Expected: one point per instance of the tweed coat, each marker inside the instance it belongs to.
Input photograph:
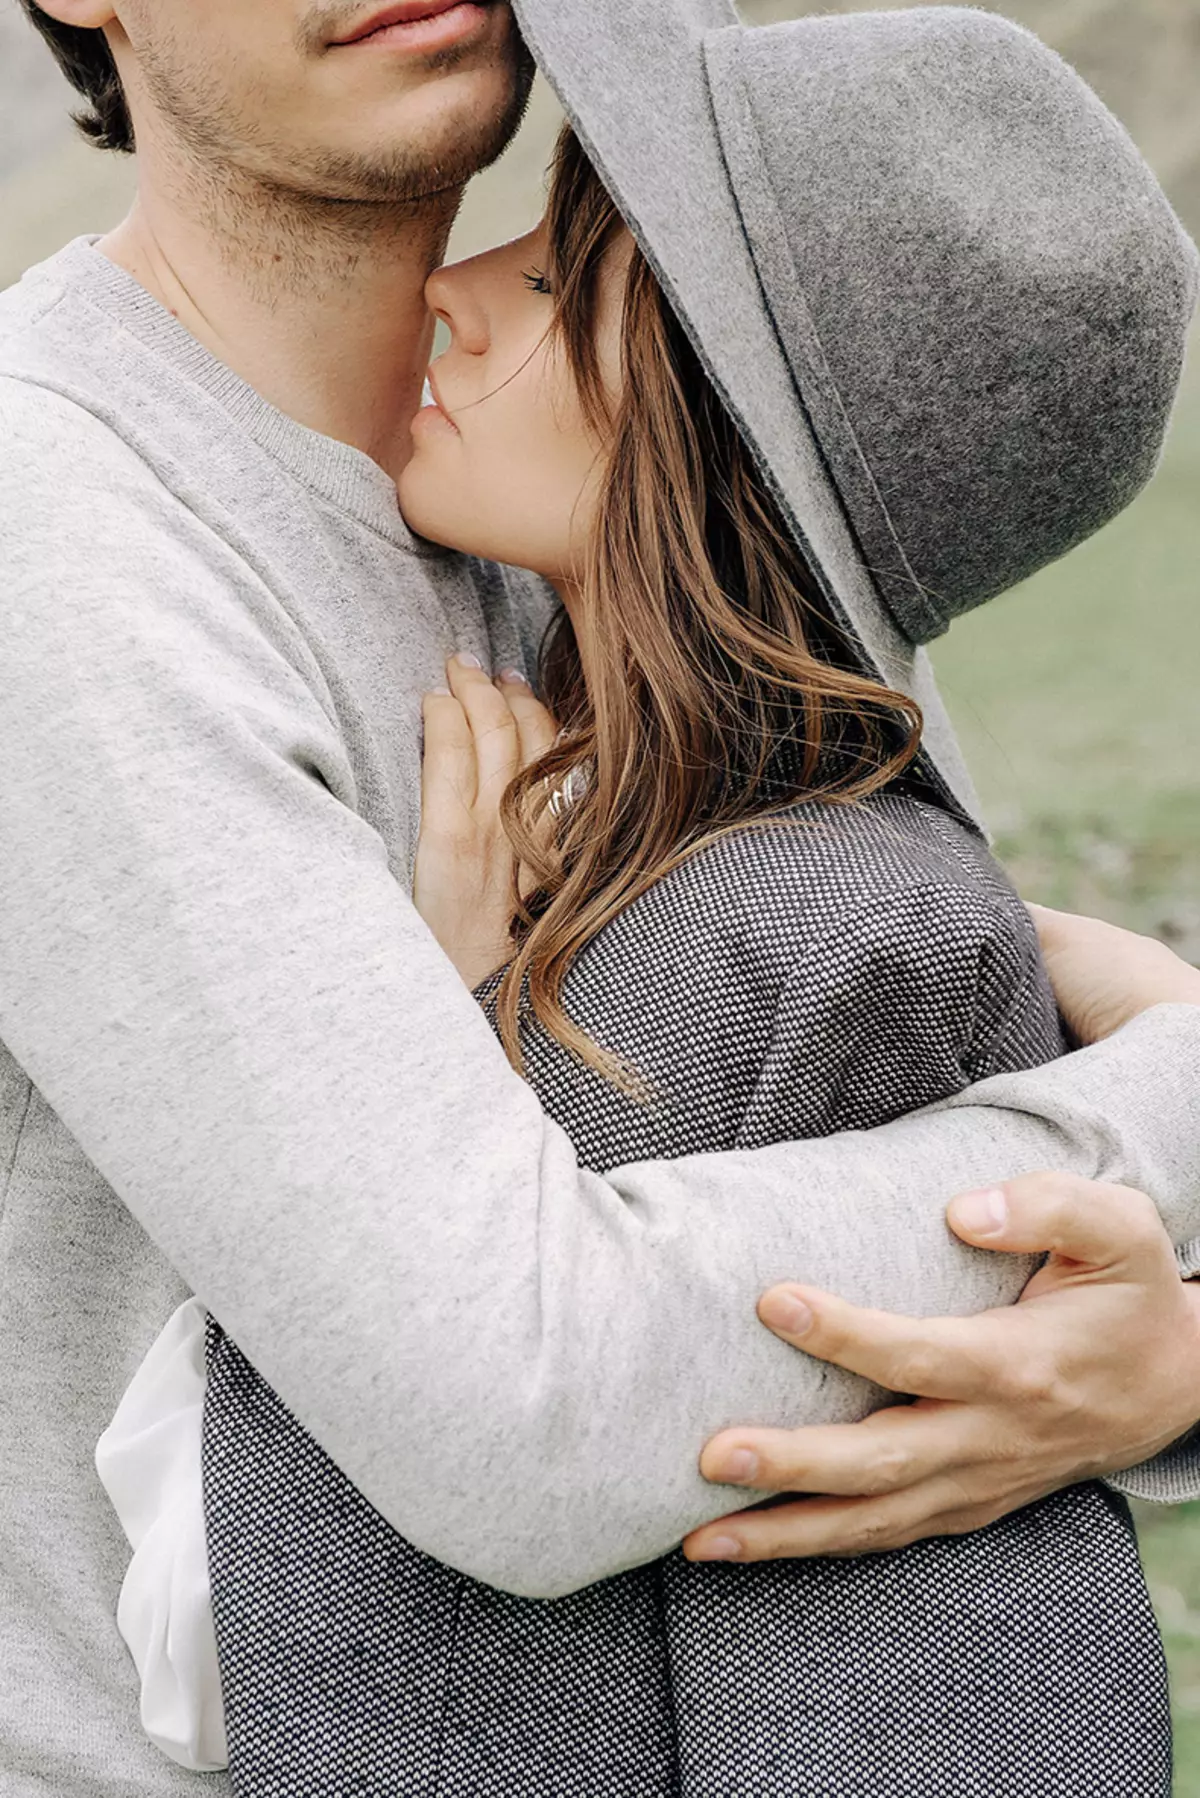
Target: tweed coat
(825, 972)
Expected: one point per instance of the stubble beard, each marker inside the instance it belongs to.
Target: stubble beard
(279, 205)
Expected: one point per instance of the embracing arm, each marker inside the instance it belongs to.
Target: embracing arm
(210, 972)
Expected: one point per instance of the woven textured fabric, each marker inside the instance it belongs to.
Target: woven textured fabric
(824, 973)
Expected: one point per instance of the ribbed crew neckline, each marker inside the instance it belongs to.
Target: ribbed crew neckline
(335, 471)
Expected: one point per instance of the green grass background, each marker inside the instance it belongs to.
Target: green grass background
(1171, 1552)
(1076, 697)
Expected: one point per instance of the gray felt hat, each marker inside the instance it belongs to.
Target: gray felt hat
(930, 275)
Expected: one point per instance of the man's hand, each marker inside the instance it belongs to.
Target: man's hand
(1103, 976)
(1095, 1370)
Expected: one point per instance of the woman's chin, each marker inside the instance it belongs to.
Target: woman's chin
(468, 528)
(428, 533)
(429, 522)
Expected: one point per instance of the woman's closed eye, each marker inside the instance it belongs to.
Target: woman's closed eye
(537, 281)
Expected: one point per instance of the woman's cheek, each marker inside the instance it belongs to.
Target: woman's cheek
(530, 506)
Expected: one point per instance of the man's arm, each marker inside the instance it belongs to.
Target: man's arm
(1095, 1370)
(210, 972)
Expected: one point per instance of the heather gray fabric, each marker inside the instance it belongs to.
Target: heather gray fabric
(932, 278)
(235, 1062)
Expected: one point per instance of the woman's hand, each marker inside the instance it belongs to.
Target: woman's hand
(478, 737)
(1103, 977)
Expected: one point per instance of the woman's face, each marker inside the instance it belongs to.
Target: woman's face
(505, 466)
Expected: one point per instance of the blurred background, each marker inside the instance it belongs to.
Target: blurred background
(1076, 695)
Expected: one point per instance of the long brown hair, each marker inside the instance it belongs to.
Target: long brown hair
(718, 689)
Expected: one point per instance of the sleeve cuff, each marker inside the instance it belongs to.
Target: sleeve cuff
(1172, 1478)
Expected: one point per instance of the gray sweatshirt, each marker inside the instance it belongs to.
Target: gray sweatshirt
(236, 1063)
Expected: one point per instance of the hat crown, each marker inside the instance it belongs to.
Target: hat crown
(980, 288)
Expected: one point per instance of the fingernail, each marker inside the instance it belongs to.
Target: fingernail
(982, 1213)
(739, 1468)
(440, 693)
(784, 1311)
(467, 660)
(720, 1548)
(514, 674)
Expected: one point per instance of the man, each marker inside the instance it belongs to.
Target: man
(234, 1061)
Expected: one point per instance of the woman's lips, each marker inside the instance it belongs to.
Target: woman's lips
(418, 26)
(435, 414)
(433, 418)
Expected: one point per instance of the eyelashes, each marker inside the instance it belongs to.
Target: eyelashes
(536, 281)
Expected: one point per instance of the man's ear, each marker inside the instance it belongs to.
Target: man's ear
(86, 15)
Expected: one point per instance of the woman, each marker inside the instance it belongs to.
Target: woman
(716, 895)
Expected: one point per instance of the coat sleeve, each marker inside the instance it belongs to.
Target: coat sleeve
(210, 972)
(912, 998)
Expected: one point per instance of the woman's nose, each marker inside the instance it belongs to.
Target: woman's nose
(450, 296)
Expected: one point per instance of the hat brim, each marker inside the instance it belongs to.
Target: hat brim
(633, 81)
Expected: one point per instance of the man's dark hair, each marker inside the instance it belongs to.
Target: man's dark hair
(85, 59)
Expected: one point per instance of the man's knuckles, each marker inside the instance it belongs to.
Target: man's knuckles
(815, 1528)
(878, 1469)
(1065, 1214)
(1047, 1202)
(916, 1367)
(1130, 1220)
(1037, 1383)
(869, 1535)
(889, 1467)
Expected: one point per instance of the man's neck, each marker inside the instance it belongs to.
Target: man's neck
(317, 306)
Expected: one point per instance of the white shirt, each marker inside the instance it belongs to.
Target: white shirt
(148, 1460)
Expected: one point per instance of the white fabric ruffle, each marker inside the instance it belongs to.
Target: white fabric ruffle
(148, 1460)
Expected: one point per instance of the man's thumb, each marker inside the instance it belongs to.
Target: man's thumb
(1110, 1228)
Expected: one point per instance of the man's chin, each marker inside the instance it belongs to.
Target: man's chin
(435, 138)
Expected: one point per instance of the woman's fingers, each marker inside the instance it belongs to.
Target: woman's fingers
(448, 772)
(508, 725)
(1104, 976)
(493, 727)
(536, 727)
(463, 877)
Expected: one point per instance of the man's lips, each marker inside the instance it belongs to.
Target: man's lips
(405, 12)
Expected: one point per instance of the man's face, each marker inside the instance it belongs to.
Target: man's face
(343, 101)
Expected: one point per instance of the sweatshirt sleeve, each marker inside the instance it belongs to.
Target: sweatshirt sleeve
(210, 972)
